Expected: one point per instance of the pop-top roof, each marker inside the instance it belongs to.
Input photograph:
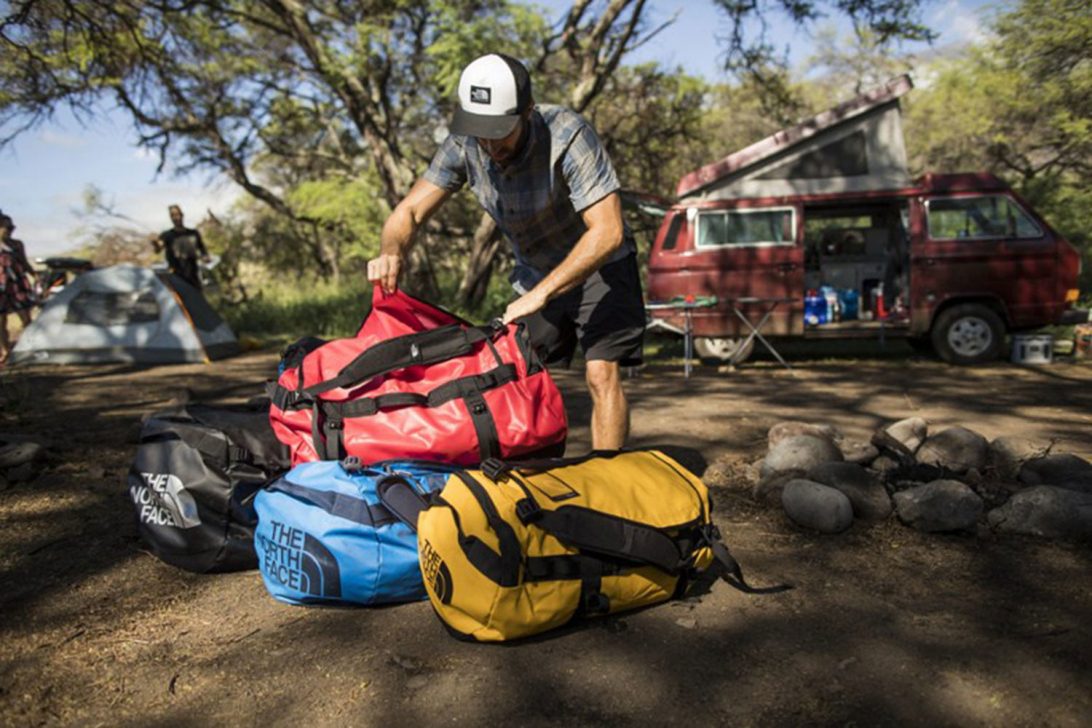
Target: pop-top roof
(868, 123)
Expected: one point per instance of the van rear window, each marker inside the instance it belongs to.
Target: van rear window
(988, 216)
(672, 237)
(740, 228)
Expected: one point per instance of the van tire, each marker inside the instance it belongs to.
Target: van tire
(968, 333)
(722, 350)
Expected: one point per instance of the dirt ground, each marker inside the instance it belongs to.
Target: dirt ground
(886, 626)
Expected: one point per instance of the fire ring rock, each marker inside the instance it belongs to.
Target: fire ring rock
(943, 505)
(863, 488)
(1046, 511)
(957, 449)
(1009, 452)
(1054, 469)
(816, 506)
(800, 452)
(911, 432)
(785, 430)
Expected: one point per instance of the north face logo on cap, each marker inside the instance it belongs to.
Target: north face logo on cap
(481, 95)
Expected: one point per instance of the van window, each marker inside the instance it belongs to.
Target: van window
(672, 237)
(985, 217)
(745, 228)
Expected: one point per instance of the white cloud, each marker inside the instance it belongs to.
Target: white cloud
(59, 139)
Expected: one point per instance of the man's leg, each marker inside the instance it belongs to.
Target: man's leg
(610, 411)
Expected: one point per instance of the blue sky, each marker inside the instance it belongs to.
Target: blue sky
(48, 168)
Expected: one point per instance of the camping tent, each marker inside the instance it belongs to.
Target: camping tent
(127, 314)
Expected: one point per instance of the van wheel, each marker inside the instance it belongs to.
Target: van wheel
(715, 350)
(968, 334)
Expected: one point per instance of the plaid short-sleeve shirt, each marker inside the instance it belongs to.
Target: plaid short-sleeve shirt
(536, 200)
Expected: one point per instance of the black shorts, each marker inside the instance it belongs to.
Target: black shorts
(606, 315)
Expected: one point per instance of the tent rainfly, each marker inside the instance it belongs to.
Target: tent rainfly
(125, 314)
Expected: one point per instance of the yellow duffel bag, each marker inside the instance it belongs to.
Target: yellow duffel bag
(515, 549)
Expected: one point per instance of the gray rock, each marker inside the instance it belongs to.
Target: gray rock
(883, 464)
(801, 452)
(957, 449)
(863, 488)
(1079, 483)
(862, 453)
(1046, 511)
(816, 506)
(911, 432)
(785, 430)
(768, 490)
(1008, 453)
(17, 453)
(1054, 469)
(943, 505)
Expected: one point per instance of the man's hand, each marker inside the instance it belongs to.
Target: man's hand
(384, 270)
(527, 304)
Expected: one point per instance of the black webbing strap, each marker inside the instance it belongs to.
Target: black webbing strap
(505, 566)
(562, 568)
(336, 504)
(732, 573)
(601, 533)
(455, 389)
(484, 426)
(426, 347)
(401, 499)
(592, 599)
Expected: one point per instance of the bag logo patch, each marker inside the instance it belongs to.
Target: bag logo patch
(436, 573)
(481, 95)
(299, 561)
(162, 500)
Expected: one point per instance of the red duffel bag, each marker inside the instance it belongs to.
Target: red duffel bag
(417, 382)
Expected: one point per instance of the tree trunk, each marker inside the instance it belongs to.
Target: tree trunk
(479, 267)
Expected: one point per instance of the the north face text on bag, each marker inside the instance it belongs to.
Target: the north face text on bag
(300, 562)
(162, 500)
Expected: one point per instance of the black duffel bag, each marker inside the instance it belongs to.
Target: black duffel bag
(194, 479)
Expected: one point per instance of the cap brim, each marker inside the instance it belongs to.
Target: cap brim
(481, 126)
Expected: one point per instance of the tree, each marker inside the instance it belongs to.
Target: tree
(752, 56)
(1021, 107)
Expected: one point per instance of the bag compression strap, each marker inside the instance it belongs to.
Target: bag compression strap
(337, 504)
(426, 347)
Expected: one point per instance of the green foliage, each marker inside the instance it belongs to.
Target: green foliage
(1021, 107)
(285, 310)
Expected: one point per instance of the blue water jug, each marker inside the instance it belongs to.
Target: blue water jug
(850, 301)
(815, 309)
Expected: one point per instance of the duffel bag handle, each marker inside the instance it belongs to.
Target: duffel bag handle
(425, 347)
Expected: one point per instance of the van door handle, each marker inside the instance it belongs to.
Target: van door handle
(787, 267)
(930, 261)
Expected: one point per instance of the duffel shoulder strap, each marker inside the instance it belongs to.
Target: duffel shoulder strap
(401, 499)
(601, 533)
(426, 347)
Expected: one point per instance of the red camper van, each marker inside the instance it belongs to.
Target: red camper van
(819, 227)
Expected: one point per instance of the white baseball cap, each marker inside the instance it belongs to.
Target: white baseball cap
(494, 91)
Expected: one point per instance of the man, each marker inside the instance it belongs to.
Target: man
(544, 177)
(183, 246)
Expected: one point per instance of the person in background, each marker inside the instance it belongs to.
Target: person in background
(16, 290)
(543, 175)
(184, 248)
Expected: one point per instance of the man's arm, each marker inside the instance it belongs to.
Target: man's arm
(201, 245)
(399, 230)
(602, 238)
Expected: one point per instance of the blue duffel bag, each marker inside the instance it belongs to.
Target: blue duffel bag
(323, 537)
